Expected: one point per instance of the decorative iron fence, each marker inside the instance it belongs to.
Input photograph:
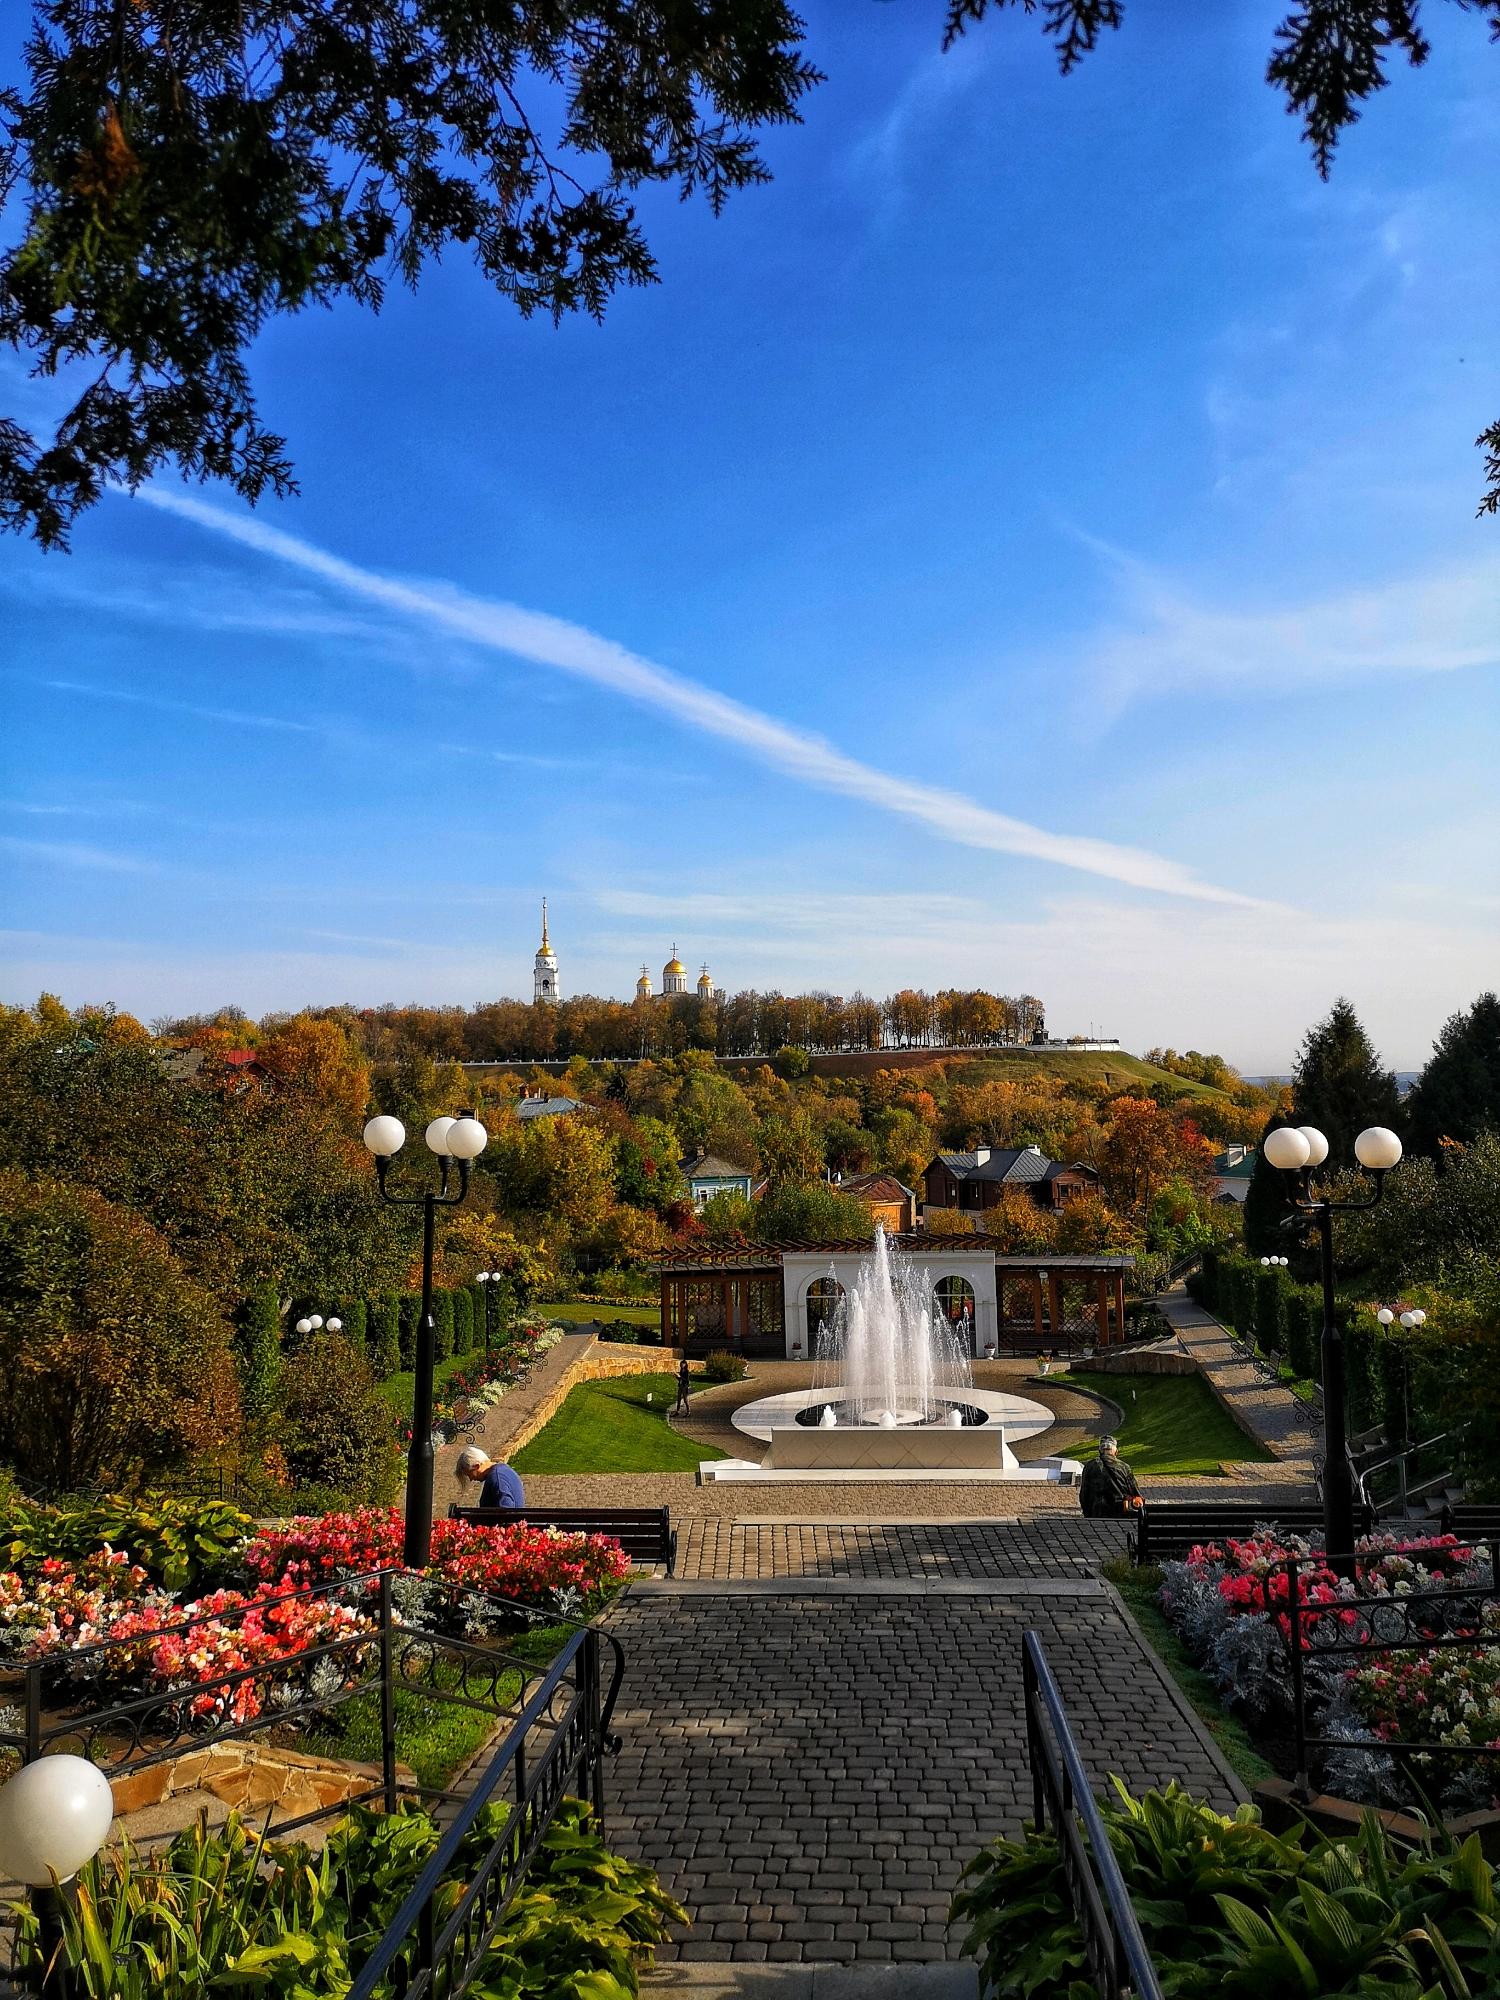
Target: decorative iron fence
(373, 1635)
(1326, 1636)
(1118, 1960)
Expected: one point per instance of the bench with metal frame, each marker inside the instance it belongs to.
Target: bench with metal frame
(645, 1534)
(1166, 1529)
(1470, 1518)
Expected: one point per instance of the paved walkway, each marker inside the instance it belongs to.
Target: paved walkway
(1268, 1410)
(822, 1722)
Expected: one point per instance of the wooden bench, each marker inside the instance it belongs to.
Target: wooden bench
(1167, 1529)
(645, 1534)
(1468, 1518)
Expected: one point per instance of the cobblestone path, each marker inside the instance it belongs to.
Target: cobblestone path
(822, 1723)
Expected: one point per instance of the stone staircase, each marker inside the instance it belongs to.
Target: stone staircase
(860, 1981)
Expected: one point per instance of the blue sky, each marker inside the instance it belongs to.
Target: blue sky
(1030, 544)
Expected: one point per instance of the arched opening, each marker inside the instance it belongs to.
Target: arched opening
(823, 1296)
(955, 1301)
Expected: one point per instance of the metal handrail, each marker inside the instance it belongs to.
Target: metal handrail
(1405, 1452)
(577, 1744)
(1114, 1945)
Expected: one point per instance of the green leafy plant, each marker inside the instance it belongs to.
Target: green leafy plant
(229, 1911)
(1229, 1908)
(181, 1543)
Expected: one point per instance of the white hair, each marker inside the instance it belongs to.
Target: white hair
(1107, 1444)
(473, 1459)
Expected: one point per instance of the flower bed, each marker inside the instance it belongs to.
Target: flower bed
(1230, 1604)
(470, 1391)
(536, 1567)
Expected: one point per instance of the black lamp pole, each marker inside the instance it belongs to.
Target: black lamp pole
(420, 1456)
(1318, 1211)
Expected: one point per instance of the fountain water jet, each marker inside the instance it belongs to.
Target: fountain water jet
(886, 1351)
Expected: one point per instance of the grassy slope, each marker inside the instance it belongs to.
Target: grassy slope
(398, 1389)
(609, 1427)
(1089, 1065)
(576, 1312)
(1176, 1428)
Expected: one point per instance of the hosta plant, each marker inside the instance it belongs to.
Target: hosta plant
(181, 1544)
(1230, 1909)
(236, 1915)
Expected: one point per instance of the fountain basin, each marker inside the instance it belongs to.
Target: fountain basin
(1019, 1415)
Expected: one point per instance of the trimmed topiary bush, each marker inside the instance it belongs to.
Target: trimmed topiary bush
(257, 1353)
(463, 1320)
(1270, 1331)
(1302, 1320)
(383, 1335)
(442, 1325)
(410, 1314)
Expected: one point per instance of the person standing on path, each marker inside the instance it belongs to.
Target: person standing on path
(502, 1484)
(1108, 1489)
(684, 1388)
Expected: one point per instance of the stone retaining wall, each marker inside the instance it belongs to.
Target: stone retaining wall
(599, 1362)
(245, 1774)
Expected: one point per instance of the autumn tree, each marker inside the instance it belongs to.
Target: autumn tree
(113, 1361)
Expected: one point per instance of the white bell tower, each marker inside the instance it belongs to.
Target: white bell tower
(544, 979)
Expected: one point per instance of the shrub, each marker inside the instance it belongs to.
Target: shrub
(337, 1426)
(1302, 1320)
(1270, 1331)
(410, 1316)
(442, 1325)
(722, 1366)
(355, 1321)
(463, 1321)
(257, 1354)
(112, 1359)
(1209, 1277)
(383, 1335)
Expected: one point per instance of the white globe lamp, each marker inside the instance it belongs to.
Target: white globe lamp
(385, 1136)
(1317, 1145)
(1385, 1316)
(1377, 1149)
(436, 1136)
(335, 1325)
(304, 1326)
(1419, 1318)
(1287, 1148)
(467, 1138)
(55, 1815)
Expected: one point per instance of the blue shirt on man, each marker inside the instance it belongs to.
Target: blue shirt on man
(502, 1488)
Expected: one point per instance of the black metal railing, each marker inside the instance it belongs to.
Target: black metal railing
(569, 1713)
(393, 1633)
(1118, 1960)
(1324, 1638)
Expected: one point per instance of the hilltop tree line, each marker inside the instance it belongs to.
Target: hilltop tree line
(731, 1024)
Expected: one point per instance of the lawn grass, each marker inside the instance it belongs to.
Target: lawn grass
(610, 1427)
(435, 1739)
(1138, 1587)
(1176, 1427)
(577, 1311)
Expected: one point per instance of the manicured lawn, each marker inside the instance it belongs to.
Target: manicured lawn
(610, 1427)
(576, 1312)
(1175, 1428)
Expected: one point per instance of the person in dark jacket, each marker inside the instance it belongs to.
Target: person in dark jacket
(684, 1388)
(1108, 1489)
(501, 1486)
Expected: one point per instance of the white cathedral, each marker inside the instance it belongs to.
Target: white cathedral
(674, 975)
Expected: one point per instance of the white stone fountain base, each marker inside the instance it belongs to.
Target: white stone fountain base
(905, 1451)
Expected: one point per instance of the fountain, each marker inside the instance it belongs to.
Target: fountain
(892, 1397)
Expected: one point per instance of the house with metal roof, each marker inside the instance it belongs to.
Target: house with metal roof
(546, 1107)
(708, 1175)
(975, 1181)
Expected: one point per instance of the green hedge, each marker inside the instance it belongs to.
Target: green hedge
(1302, 1319)
(442, 1325)
(383, 1334)
(463, 1320)
(1270, 1330)
(356, 1321)
(257, 1354)
(1208, 1281)
(410, 1314)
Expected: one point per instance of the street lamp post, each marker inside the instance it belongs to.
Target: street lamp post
(1297, 1151)
(461, 1139)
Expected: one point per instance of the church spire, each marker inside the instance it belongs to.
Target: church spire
(545, 944)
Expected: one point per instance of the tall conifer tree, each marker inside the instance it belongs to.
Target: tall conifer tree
(1457, 1095)
(1339, 1084)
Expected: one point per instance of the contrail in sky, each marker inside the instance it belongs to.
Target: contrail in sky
(571, 649)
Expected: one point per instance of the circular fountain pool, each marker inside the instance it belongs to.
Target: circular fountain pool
(1018, 1416)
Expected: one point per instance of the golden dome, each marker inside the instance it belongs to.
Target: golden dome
(674, 969)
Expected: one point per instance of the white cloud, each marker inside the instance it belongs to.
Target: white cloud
(1445, 619)
(572, 649)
